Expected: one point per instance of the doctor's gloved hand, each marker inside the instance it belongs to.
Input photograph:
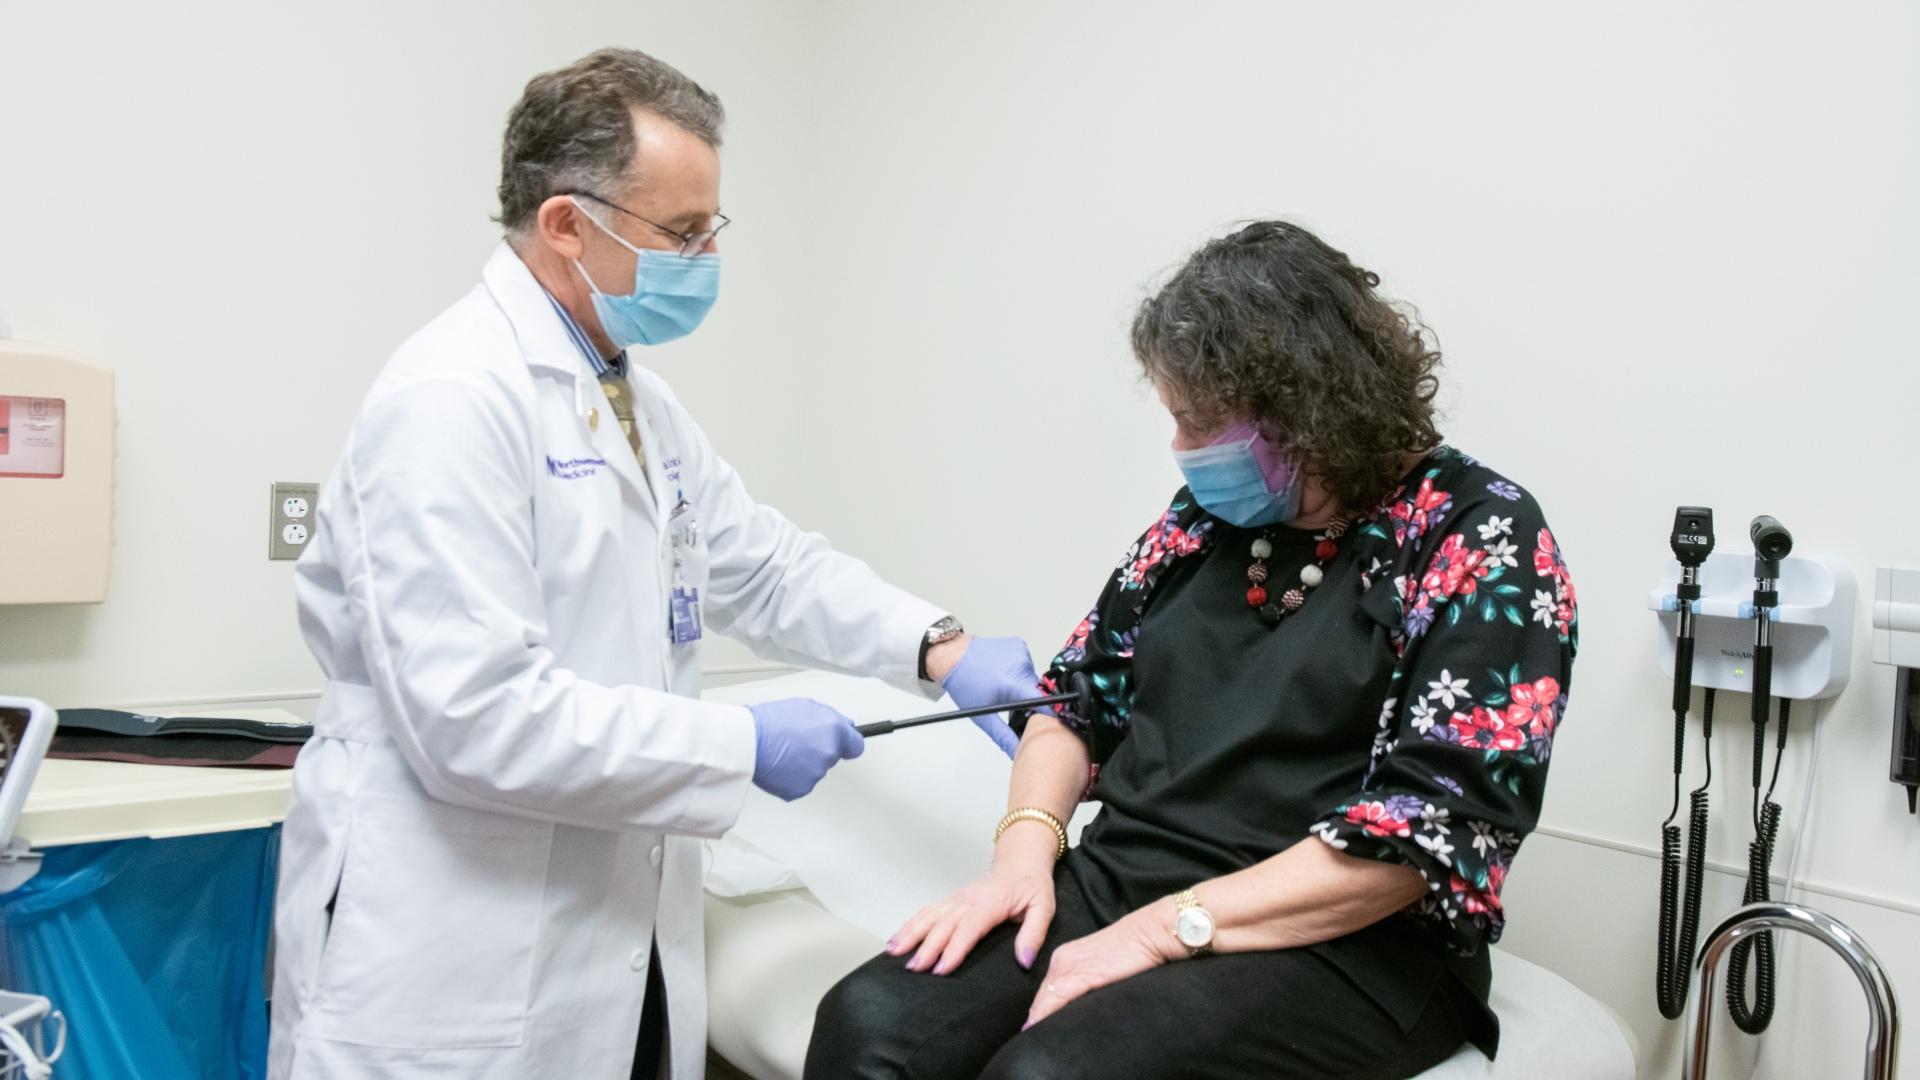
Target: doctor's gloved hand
(992, 670)
(796, 741)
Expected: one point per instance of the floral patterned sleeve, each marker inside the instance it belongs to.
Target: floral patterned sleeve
(1486, 630)
(1101, 647)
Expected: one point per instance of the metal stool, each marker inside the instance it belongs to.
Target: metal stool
(1883, 1013)
(23, 1043)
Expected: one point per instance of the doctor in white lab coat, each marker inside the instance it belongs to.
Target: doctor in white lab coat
(496, 827)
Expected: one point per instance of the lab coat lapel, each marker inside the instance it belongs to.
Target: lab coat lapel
(610, 442)
(545, 345)
(654, 435)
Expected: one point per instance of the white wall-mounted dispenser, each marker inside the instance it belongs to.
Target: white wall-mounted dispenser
(1896, 643)
(56, 475)
(1896, 617)
(1812, 632)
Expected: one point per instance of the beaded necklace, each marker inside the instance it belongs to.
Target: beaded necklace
(1326, 547)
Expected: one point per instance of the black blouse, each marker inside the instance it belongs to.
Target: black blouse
(1405, 712)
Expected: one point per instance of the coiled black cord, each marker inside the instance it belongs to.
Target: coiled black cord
(1680, 905)
(1759, 948)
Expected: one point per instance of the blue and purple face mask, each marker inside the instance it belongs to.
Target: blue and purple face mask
(1240, 479)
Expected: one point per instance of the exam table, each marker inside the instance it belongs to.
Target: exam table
(910, 821)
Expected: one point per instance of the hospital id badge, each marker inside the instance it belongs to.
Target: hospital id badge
(685, 614)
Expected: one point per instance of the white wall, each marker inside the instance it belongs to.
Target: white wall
(945, 214)
(1607, 211)
(245, 208)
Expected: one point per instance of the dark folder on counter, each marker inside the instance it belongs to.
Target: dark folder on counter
(114, 735)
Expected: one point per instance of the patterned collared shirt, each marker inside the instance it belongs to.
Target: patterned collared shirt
(602, 366)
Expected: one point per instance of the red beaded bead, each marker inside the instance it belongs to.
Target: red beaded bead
(1292, 599)
(1325, 549)
(1256, 596)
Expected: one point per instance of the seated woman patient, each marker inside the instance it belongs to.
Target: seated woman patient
(1326, 682)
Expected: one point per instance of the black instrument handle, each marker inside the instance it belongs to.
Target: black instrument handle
(1682, 675)
(1081, 695)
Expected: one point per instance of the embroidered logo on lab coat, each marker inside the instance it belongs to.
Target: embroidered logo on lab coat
(574, 468)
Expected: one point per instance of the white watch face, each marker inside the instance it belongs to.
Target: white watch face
(1194, 928)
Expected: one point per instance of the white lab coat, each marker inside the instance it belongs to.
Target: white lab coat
(500, 809)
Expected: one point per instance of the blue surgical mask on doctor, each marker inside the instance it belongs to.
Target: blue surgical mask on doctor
(1239, 479)
(671, 294)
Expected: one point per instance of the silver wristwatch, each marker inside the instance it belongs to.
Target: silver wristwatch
(946, 628)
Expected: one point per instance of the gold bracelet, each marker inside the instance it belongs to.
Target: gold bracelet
(1034, 813)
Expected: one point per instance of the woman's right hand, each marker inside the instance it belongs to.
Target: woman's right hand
(1014, 887)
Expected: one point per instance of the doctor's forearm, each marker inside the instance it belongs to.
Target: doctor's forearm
(1049, 773)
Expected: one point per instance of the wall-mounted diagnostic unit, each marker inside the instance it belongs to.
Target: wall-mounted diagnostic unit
(1812, 632)
(1770, 624)
(56, 475)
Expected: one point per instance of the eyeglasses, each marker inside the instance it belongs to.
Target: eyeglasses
(691, 243)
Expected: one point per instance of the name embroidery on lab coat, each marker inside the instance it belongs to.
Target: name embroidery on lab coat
(574, 468)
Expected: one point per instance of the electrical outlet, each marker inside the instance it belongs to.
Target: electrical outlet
(290, 519)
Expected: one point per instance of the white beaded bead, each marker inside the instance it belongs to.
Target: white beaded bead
(1261, 548)
(1310, 576)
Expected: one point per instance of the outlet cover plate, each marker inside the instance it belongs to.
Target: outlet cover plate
(290, 519)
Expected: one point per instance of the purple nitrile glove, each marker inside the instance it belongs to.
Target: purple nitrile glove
(993, 670)
(796, 741)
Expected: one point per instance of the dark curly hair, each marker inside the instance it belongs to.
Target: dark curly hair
(1272, 324)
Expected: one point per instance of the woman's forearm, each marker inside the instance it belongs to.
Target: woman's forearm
(1049, 773)
(1307, 894)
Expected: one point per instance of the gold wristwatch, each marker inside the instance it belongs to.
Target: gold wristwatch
(1192, 924)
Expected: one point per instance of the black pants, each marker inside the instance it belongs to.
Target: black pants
(1283, 1015)
(652, 1039)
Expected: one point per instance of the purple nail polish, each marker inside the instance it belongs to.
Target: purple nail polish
(1026, 1025)
(893, 943)
(1026, 956)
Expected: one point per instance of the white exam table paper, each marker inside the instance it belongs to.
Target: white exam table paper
(903, 825)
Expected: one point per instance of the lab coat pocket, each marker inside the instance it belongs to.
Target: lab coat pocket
(434, 928)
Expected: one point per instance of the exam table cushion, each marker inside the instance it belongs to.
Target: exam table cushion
(771, 957)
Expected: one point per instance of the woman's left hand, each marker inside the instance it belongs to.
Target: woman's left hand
(1140, 942)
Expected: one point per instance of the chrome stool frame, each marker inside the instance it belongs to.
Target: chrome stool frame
(1883, 1012)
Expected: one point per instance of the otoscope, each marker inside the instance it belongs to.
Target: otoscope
(1081, 695)
(1692, 542)
(1771, 543)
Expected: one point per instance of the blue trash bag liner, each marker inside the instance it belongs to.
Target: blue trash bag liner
(155, 950)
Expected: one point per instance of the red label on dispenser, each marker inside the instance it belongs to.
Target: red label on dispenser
(33, 437)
